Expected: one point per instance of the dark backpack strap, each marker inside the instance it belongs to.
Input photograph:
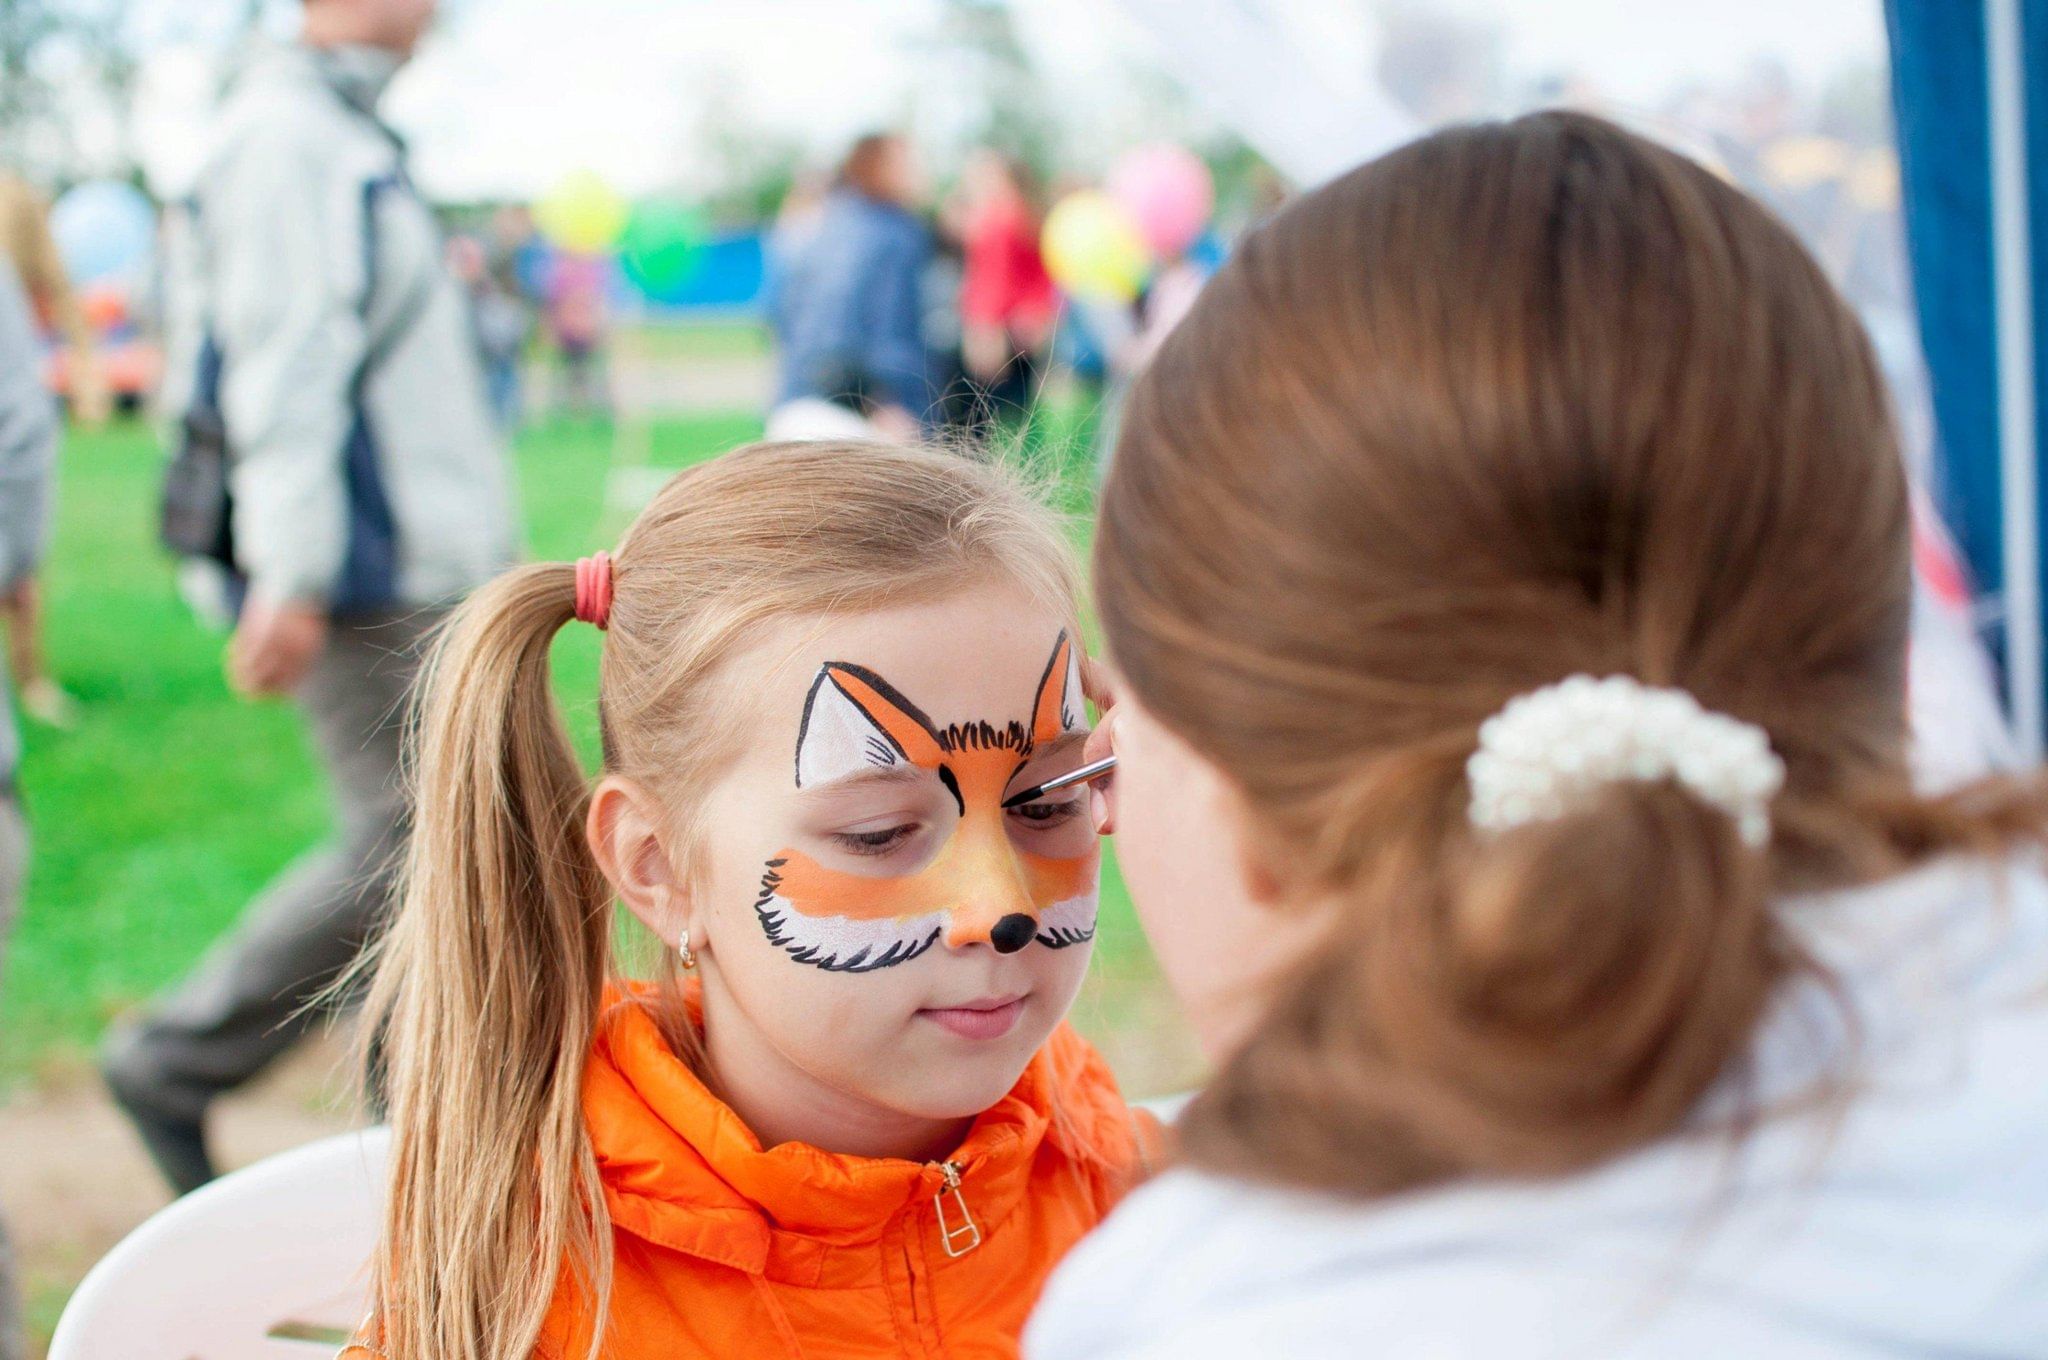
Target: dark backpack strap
(369, 571)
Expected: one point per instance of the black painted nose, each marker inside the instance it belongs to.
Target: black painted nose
(1012, 933)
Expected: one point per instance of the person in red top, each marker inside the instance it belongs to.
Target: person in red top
(1007, 299)
(849, 1120)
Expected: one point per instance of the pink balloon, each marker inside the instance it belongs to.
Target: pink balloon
(1168, 193)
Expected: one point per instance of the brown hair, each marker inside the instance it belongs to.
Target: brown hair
(862, 170)
(486, 999)
(1515, 402)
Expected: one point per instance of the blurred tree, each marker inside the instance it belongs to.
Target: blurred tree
(101, 34)
(739, 170)
(977, 48)
(64, 68)
(27, 97)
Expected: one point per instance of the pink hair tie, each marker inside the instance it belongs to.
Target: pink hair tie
(594, 589)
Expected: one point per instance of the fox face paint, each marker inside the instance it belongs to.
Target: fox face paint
(978, 873)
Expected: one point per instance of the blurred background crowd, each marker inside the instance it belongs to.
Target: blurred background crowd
(1035, 246)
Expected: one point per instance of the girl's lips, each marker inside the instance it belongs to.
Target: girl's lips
(990, 1019)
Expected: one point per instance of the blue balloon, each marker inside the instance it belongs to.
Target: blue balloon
(105, 230)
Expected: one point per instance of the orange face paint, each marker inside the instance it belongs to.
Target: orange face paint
(980, 886)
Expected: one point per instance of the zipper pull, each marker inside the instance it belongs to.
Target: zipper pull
(964, 1236)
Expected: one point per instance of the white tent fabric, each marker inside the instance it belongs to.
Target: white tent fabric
(1294, 78)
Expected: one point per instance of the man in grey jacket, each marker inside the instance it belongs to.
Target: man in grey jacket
(28, 456)
(368, 491)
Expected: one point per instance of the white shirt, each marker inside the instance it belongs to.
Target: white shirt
(1916, 1226)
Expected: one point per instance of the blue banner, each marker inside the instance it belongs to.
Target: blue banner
(1941, 96)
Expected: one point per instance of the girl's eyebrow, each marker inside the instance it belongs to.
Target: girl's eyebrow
(1065, 741)
(860, 779)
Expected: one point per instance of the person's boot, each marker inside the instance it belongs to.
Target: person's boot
(175, 1140)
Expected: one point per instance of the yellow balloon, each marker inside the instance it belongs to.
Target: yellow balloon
(582, 214)
(1802, 162)
(1093, 249)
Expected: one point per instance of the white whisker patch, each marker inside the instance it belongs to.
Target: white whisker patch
(842, 944)
(1067, 922)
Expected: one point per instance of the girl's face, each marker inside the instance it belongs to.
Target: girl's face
(880, 935)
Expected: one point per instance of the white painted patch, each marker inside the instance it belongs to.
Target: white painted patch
(842, 944)
(839, 738)
(1071, 921)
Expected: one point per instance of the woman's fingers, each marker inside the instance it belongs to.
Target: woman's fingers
(1098, 683)
(1102, 807)
(1102, 792)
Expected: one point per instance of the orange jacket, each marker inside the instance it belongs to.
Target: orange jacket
(722, 1249)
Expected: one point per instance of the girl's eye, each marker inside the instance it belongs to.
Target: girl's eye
(874, 842)
(1048, 814)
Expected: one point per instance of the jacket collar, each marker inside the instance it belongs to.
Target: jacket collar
(682, 1170)
(357, 75)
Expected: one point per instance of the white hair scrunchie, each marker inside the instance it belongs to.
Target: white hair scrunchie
(1545, 751)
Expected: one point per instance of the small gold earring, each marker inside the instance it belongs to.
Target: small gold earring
(689, 954)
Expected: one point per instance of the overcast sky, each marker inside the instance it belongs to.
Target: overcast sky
(510, 95)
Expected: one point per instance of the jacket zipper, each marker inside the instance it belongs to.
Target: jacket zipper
(958, 1232)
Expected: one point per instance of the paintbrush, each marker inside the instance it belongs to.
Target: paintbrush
(1094, 769)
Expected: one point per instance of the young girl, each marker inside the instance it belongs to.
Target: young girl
(855, 1125)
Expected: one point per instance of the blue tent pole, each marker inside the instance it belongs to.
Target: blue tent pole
(2013, 291)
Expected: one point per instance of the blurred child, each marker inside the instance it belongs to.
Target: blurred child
(577, 322)
(500, 321)
(849, 1120)
(28, 451)
(1007, 299)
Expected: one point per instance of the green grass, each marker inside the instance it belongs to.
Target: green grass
(738, 338)
(171, 802)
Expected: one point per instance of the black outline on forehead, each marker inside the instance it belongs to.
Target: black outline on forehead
(1067, 722)
(960, 736)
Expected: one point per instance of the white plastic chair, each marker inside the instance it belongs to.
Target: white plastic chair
(1166, 1109)
(267, 1263)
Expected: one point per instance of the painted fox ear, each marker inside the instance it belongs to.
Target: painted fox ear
(1057, 708)
(855, 721)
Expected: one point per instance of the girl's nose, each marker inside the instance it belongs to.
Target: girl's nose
(1005, 929)
(1012, 933)
(994, 906)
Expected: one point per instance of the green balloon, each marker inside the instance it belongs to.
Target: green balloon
(662, 247)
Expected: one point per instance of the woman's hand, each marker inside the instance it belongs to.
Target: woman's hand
(1098, 684)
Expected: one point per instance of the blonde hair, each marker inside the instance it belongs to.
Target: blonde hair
(486, 998)
(1515, 402)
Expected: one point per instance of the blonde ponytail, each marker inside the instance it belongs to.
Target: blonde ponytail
(488, 995)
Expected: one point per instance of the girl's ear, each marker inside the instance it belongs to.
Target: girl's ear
(626, 829)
